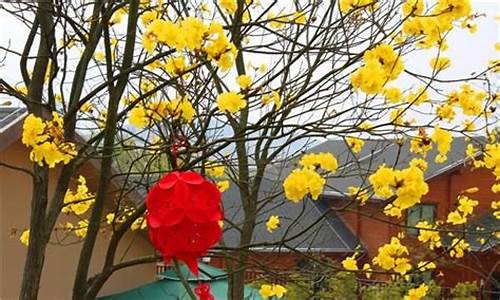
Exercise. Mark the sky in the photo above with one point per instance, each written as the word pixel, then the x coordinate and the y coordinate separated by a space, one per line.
pixel 470 52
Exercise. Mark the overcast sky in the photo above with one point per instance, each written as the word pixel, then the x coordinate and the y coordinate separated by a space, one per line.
pixel 469 52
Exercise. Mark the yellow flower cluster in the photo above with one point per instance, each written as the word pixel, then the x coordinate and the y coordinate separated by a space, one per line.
pixel 78 202
pixel 459 247
pixel 214 169
pixel 145 115
pixel 408 185
pixel 223 185
pixel 358 194
pixel 413 7
pixel 81 229
pixel 301 182
pixel 350 263
pixel 139 223
pixel 443 140
pixel 244 81
pixel 274 290
pixel 421 291
pixel 47 140
pixel 272 97
pixel 430 29
pixel 191 34
pixel 440 63
pixel 381 64
pixel 492 158
pixel 325 160
pixel 418 96
pixel 355 144
pixel 428 234
pixel 348 5
pixel 464 210
pixel 393 94
pixel 471 101
pixel 495 206
pixel 304 181
pixel 422 143
pixel 273 223
pixel 229 5
pixel 391 257
pixel 279 22
pixel 231 102
pixel 445 112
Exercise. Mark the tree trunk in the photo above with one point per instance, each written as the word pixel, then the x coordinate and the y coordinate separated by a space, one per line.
pixel 38 237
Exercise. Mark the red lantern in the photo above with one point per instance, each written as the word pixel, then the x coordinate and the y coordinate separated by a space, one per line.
pixel 184 211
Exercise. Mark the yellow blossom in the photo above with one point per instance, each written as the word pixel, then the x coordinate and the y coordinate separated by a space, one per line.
pixel 443 140
pixel 440 63
pixel 78 201
pixel 456 218
pixel 355 144
pixel 137 117
pixel 231 102
pixel 425 235
pixel 110 218
pixel 25 237
pixel 358 194
pixel 272 223
pixel 266 291
pixel 272 97
pixel 325 160
pixel 426 265
pixel 466 205
pixel 278 290
pixel 47 140
pixel 418 97
pixel 348 5
pixel 413 7
pixel 229 5
pixel 33 129
pixel 244 81
pixel 148 16
pixel 402 265
pixel 350 263
pixel 139 223
pixel 299 17
pixel 458 248
pixel 393 94
pixel 81 229
pixel 445 112
pixel 214 170
pixel 223 185
pixel 417 293
pixel 368 270
pixel 301 182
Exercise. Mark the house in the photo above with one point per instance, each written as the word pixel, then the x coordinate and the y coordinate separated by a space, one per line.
pixel 304 231
pixel 337 233
pixel 446 181
pixel 63 251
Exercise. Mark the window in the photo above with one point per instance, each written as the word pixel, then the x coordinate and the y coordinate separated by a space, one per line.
pixel 417 213
pixel 421 277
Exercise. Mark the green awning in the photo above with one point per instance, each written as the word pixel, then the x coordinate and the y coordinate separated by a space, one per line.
pixel 169 286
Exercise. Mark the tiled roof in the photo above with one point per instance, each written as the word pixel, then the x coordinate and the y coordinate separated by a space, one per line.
pixel 9 114
pixel 304 226
pixel 355 168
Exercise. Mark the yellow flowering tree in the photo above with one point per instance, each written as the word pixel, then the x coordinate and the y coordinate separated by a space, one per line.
pixel 236 89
